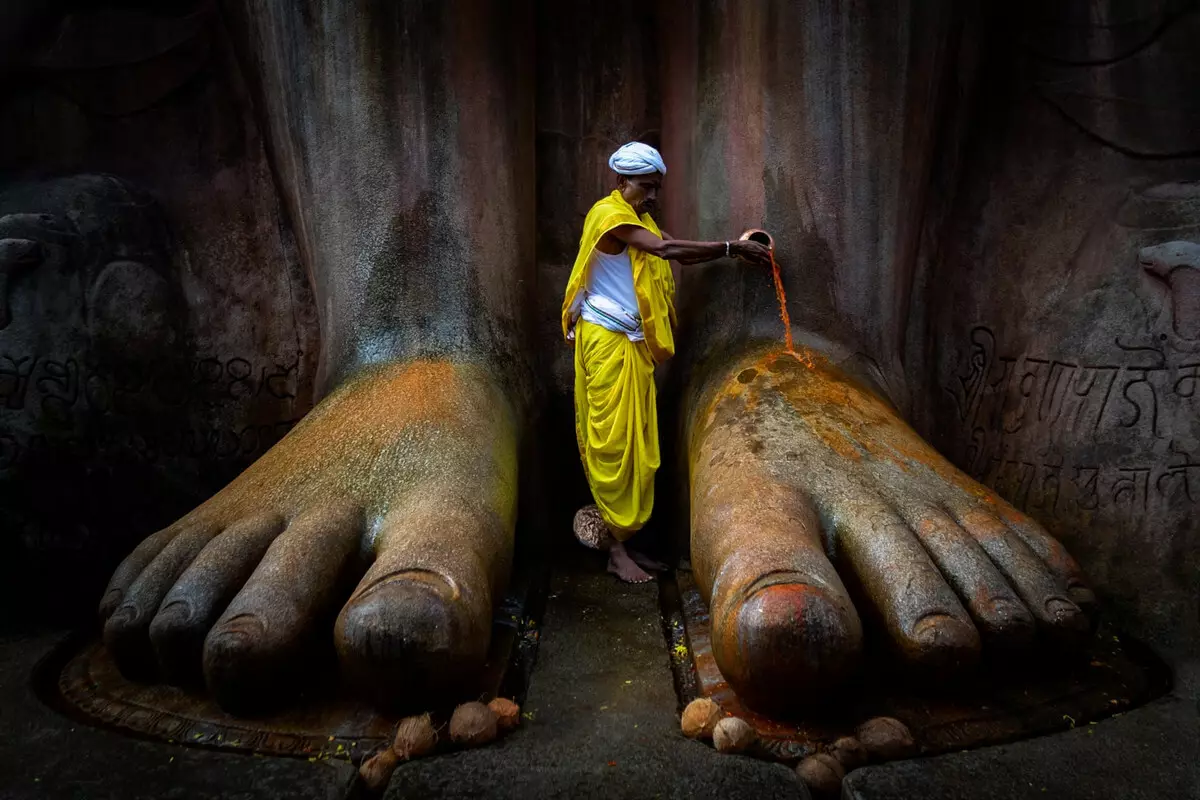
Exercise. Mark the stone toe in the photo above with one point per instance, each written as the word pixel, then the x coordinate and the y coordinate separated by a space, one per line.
pixel 409 635
pixel 786 642
pixel 944 643
pixel 177 637
pixel 125 636
pixel 108 604
pixel 1004 623
pixel 243 669
pixel 1065 619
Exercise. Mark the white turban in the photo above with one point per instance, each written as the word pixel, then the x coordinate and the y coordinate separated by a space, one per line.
pixel 636 158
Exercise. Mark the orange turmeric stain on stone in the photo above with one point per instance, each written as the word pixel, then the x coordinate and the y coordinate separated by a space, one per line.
pixel 378 422
pixel 847 417
pixel 841 413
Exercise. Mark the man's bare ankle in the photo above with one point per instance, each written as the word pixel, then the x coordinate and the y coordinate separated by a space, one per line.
pixel 624 567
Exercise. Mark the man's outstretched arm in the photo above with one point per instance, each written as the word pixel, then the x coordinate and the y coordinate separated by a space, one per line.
pixel 687 252
pixel 683 261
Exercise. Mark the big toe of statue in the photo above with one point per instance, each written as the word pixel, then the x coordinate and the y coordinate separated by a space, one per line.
pixel 796 467
pixel 407 473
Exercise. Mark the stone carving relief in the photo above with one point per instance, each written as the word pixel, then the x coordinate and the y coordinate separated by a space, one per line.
pixel 94 343
pixel 107 390
pixel 1178 265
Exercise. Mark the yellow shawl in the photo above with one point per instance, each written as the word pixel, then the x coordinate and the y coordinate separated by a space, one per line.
pixel 652 279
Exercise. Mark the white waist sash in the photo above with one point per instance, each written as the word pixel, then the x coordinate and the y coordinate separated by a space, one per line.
pixel 600 310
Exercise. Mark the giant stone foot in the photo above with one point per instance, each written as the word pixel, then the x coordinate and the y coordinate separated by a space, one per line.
pixel 408 468
pixel 797 467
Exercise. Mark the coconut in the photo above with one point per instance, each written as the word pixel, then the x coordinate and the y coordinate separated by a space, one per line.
pixel 473 724
pixel 822 774
pixel 849 752
pixel 590 528
pixel 886 739
pixel 415 737
pixel 700 718
pixel 508 713
pixel 733 735
pixel 377 770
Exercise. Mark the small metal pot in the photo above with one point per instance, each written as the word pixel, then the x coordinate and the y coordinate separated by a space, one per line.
pixel 758 235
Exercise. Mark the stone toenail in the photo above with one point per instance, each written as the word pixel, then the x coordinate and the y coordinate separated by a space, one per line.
pixel 941 629
pixel 240 631
pixel 126 614
pixel 1008 608
pixel 177 612
pixel 929 626
pixel 410 580
pixel 1061 610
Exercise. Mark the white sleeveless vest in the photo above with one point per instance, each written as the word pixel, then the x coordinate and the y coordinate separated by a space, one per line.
pixel 611 300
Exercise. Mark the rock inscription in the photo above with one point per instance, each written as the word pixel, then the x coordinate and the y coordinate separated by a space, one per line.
pixel 1061 436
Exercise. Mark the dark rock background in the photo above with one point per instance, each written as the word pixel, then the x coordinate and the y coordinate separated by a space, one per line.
pixel 165 335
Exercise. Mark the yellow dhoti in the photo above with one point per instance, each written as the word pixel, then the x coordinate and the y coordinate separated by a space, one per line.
pixel 616 414
pixel 616 424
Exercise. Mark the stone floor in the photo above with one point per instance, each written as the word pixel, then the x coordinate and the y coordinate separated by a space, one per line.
pixel 604 714
pixel 602 721
pixel 46 755
pixel 1149 753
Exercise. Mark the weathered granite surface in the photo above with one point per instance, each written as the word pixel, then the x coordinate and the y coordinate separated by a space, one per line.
pixel 1145 754
pixel 988 216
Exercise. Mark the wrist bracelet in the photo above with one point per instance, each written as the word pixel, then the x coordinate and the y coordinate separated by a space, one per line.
pixel 727 249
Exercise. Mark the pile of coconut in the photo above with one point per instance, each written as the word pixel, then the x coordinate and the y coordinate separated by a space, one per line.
pixel 876 740
pixel 471 725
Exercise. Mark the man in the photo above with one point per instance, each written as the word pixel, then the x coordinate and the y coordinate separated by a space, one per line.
pixel 619 311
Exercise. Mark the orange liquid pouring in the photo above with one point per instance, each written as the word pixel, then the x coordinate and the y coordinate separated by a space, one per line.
pixel 804 358
pixel 783 312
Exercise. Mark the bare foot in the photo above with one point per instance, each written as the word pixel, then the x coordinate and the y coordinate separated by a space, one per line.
pixel 623 566
pixel 592 532
pixel 793 460
pixel 407 471
pixel 644 561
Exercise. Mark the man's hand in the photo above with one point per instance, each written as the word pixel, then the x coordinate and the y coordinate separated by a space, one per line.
pixel 753 252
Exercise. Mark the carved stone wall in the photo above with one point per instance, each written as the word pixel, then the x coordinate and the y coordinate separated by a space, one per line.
pixel 1060 298
pixel 157 332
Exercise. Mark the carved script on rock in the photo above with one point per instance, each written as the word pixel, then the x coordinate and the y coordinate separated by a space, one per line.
pixel 1062 436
